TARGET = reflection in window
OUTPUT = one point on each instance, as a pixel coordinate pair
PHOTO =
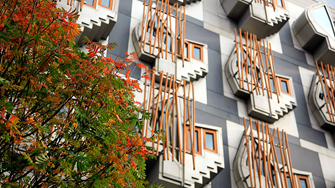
(321, 15)
(289, 182)
(303, 183)
(105, 3)
(284, 86)
(273, 89)
(89, 2)
(196, 140)
(280, 3)
(210, 141)
(196, 53)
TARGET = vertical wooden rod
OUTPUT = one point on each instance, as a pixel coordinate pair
(247, 145)
(238, 60)
(144, 107)
(142, 33)
(282, 158)
(193, 118)
(184, 123)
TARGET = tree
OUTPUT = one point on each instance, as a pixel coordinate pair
(67, 119)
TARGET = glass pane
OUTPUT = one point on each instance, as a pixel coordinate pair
(197, 53)
(186, 50)
(322, 17)
(210, 141)
(196, 141)
(303, 183)
(189, 140)
(289, 182)
(284, 86)
(89, 2)
(272, 85)
(105, 3)
(280, 3)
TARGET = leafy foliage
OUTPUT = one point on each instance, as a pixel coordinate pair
(67, 119)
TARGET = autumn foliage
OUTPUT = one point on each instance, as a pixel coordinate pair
(67, 119)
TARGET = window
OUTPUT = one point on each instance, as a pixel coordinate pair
(280, 3)
(197, 144)
(197, 52)
(210, 140)
(321, 16)
(273, 89)
(106, 3)
(285, 86)
(91, 3)
(187, 51)
(303, 181)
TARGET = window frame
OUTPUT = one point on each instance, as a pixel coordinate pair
(302, 177)
(201, 52)
(199, 140)
(110, 4)
(94, 4)
(287, 83)
(188, 51)
(282, 2)
(214, 140)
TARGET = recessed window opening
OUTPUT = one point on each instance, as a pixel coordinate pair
(285, 86)
(322, 17)
(106, 3)
(197, 52)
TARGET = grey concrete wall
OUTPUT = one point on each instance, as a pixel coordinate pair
(311, 147)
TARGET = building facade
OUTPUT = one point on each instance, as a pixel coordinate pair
(233, 75)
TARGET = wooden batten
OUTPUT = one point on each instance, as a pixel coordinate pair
(323, 91)
(238, 60)
(247, 146)
(184, 123)
(144, 101)
(267, 156)
(246, 58)
(142, 31)
(151, 88)
(242, 59)
(162, 115)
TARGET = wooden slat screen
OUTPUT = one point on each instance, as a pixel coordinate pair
(262, 156)
(161, 17)
(166, 112)
(327, 81)
(250, 57)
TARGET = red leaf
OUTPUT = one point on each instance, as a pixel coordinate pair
(126, 52)
(127, 74)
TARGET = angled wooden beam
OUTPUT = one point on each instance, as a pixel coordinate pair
(247, 145)
(193, 117)
(144, 107)
(162, 113)
(238, 60)
(151, 88)
(157, 105)
(142, 33)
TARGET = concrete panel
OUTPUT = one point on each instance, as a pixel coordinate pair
(286, 68)
(312, 135)
(221, 102)
(206, 118)
(120, 34)
(125, 7)
(319, 182)
(306, 160)
(301, 112)
(197, 33)
(285, 35)
(223, 178)
(194, 21)
(214, 77)
(216, 112)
